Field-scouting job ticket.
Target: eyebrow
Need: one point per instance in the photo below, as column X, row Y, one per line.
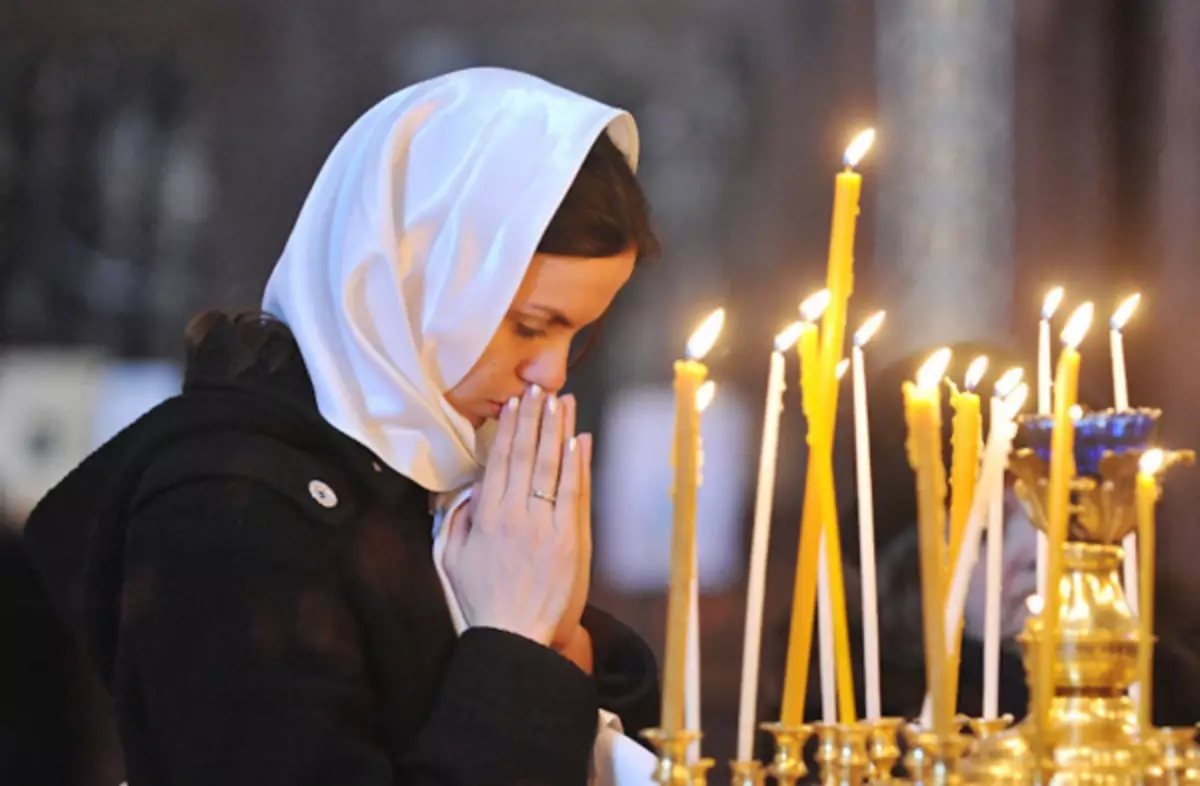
column 555, row 316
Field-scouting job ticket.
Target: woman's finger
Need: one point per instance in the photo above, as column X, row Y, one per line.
column 566, row 512
column 495, row 479
column 569, row 408
column 524, row 447
column 584, row 543
column 546, row 467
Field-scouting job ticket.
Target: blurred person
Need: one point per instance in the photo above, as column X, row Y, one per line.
column 356, row 548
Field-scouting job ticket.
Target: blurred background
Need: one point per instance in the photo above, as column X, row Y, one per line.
column 153, row 156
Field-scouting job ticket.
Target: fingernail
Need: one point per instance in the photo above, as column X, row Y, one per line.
column 571, row 444
column 534, row 391
column 551, row 404
column 512, row 403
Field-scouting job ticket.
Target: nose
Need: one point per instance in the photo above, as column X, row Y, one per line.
column 548, row 368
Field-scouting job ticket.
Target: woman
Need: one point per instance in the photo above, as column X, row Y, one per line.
column 252, row 563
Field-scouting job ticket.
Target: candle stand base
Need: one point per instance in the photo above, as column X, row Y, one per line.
column 933, row 760
column 747, row 773
column 673, row 768
column 788, row 766
column 850, row 766
column 882, row 749
column 828, row 750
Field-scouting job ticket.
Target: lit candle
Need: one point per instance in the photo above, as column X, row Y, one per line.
column 690, row 375
column 866, row 516
column 1062, row 471
column 966, row 430
column 1003, row 410
column 922, row 412
column 760, row 537
column 691, row 698
column 991, row 481
column 1116, row 345
column 1049, row 307
column 829, row 579
column 799, row 650
column 818, row 497
column 1149, row 466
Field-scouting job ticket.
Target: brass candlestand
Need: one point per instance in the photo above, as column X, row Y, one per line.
column 827, row 752
column 673, row 768
column 788, row 766
column 882, row 749
column 850, row 766
column 1091, row 736
column 747, row 773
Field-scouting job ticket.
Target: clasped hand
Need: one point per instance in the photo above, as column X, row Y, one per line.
column 523, row 562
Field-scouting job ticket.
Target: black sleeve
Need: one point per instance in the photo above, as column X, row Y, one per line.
column 625, row 672
column 249, row 664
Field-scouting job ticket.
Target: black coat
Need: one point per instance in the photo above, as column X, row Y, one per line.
column 254, row 630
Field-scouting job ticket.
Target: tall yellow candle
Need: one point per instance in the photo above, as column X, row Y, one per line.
column 840, row 277
column 922, row 412
column 967, row 426
column 804, row 596
column 1147, row 497
column 1062, row 471
column 690, row 375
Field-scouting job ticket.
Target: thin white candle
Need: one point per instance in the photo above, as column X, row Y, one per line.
column 759, row 540
column 825, row 629
column 995, row 458
column 866, row 518
column 1045, row 405
column 995, row 575
column 1129, row 544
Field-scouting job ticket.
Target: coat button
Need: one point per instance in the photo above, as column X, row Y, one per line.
column 322, row 493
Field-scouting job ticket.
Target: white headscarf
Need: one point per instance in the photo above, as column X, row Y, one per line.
column 411, row 246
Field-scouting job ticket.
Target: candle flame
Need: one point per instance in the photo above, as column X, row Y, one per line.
column 1125, row 311
column 1076, row 412
column 1035, row 604
column 814, row 306
column 703, row 337
column 930, row 373
column 1008, row 382
column 975, row 372
column 858, row 148
column 786, row 338
column 868, row 329
column 1015, row 400
column 705, row 395
column 1152, row 461
column 842, row 365
column 1053, row 300
column 1077, row 325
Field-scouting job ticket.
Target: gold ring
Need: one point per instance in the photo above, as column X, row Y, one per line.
column 545, row 496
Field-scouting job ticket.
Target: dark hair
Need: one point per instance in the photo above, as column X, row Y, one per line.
column 604, row 212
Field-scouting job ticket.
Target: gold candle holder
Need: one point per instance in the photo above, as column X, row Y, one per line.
column 788, row 765
column 747, row 773
column 698, row 771
column 882, row 749
column 850, row 766
column 827, row 752
column 933, row 760
column 673, row 768
column 982, row 728
column 1174, row 757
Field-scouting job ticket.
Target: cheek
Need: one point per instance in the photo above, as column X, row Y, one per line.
column 495, row 369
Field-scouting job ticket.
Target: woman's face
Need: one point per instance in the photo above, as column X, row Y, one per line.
column 1019, row 579
column 558, row 297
